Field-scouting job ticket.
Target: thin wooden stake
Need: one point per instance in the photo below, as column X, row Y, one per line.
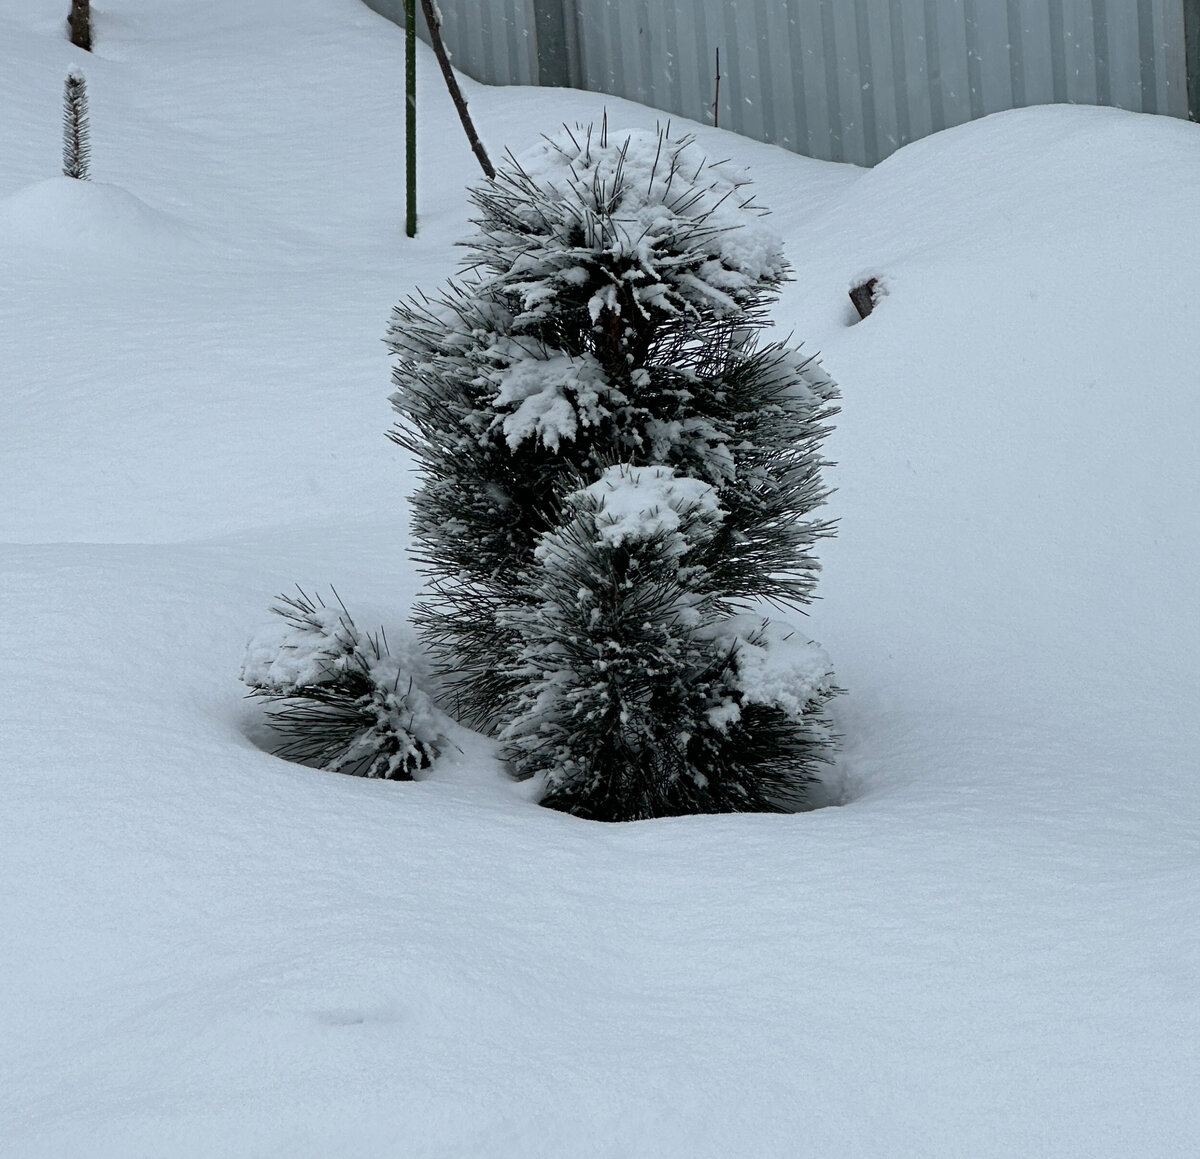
column 717, row 95
column 1191, row 38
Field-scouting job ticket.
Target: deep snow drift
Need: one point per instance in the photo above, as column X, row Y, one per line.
column 988, row 949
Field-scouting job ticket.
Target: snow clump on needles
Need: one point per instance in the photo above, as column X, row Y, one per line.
column 343, row 701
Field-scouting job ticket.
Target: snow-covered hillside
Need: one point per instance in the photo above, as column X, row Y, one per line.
column 988, row 948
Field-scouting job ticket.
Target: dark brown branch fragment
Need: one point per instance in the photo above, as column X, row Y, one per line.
column 80, row 23
column 865, row 296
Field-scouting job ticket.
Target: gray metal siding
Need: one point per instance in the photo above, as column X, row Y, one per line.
column 844, row 80
column 491, row 40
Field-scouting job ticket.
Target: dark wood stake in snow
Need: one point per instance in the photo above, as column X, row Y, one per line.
column 863, row 297
column 80, row 23
column 717, row 95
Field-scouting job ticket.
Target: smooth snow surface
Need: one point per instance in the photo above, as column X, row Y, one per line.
column 989, row 950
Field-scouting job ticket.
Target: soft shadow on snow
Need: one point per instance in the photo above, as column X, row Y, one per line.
column 471, row 770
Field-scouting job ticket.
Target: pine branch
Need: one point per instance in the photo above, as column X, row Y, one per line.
column 341, row 700
column 76, row 142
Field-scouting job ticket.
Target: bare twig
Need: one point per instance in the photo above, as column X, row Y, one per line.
column 434, row 22
column 717, row 95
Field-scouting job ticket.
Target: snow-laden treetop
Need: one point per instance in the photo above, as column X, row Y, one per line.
column 677, row 231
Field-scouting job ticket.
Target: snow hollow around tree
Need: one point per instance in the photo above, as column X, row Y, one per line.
column 988, row 950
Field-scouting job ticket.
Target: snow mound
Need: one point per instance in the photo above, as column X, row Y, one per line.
column 1033, row 185
column 87, row 216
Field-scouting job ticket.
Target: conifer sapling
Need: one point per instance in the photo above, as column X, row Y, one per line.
column 76, row 134
column 600, row 368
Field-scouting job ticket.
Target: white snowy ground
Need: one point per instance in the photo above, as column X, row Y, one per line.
column 990, row 949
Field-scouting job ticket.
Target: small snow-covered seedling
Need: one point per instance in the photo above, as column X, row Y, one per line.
column 608, row 326
column 77, row 147
column 345, row 703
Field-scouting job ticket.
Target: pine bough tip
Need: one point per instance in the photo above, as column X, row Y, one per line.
column 340, row 699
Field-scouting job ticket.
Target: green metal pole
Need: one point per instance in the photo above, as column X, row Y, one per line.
column 410, row 116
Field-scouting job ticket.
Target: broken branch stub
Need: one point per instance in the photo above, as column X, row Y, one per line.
column 864, row 296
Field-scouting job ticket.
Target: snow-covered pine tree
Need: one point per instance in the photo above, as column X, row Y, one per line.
column 610, row 321
column 77, row 147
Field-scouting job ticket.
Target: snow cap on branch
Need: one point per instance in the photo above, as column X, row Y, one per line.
column 635, row 504
column 775, row 665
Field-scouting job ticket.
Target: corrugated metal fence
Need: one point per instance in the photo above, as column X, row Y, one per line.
column 843, row 80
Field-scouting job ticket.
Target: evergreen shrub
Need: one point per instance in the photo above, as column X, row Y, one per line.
column 617, row 472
